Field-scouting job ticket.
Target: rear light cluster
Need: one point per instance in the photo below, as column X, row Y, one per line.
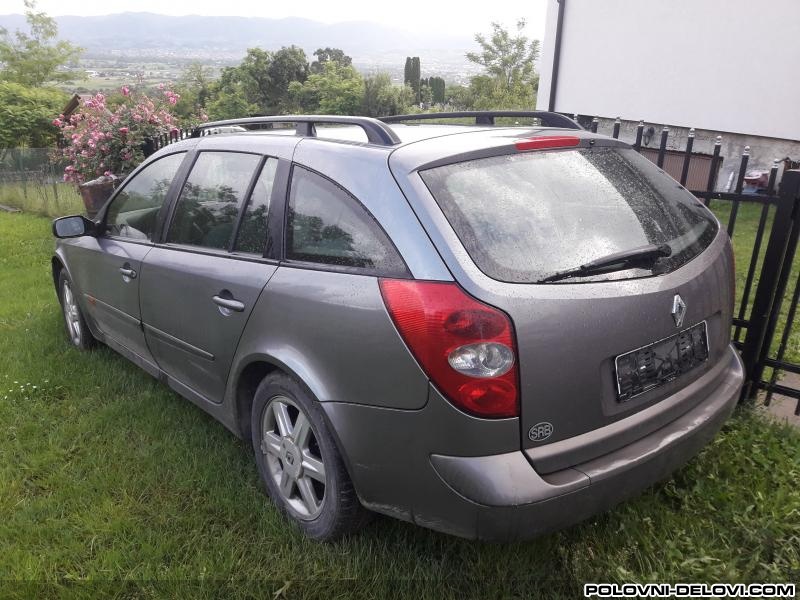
column 466, row 347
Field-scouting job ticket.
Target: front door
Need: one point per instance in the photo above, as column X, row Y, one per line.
column 108, row 268
column 199, row 287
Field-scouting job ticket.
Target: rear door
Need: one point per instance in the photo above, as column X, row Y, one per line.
column 200, row 285
column 107, row 268
column 504, row 223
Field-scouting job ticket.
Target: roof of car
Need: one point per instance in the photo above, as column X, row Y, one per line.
column 248, row 133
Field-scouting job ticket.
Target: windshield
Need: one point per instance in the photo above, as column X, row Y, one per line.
column 523, row 217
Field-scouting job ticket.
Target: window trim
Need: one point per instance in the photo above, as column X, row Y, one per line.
column 157, row 232
column 318, row 266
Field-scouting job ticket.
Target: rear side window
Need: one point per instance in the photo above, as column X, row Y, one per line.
column 326, row 225
column 210, row 201
column 523, row 217
column 134, row 211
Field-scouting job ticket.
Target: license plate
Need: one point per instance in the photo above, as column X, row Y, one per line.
column 649, row 367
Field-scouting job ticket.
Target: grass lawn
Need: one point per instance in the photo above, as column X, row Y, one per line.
column 51, row 199
column 107, row 475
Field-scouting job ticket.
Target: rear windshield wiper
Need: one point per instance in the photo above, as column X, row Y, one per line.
column 643, row 256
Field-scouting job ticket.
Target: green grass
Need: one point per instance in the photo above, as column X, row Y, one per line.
column 107, row 475
column 46, row 199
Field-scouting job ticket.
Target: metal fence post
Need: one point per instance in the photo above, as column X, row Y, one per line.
column 637, row 145
column 662, row 149
column 712, row 172
column 772, row 283
column 687, row 157
column 617, row 124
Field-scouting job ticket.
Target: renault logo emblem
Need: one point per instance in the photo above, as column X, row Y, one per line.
column 678, row 310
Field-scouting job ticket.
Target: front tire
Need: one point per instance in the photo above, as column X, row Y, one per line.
column 299, row 462
column 77, row 331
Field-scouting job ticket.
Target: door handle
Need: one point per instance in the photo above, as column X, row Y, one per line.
column 126, row 272
column 228, row 303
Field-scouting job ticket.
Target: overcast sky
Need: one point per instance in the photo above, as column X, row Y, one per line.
column 466, row 17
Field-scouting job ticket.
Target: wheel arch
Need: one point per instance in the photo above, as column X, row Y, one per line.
column 57, row 265
column 249, row 375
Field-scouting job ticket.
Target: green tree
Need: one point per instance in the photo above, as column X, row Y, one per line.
column 381, row 98
column 34, row 58
column 337, row 90
column 329, row 54
column 288, row 65
column 437, row 86
column 230, row 103
column 407, row 71
column 415, row 82
column 26, row 115
column 195, row 89
column 425, row 94
column 264, row 77
column 252, row 74
column 509, row 59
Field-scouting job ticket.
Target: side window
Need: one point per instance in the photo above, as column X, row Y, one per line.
column 134, row 211
column 252, row 236
column 326, row 225
column 209, row 204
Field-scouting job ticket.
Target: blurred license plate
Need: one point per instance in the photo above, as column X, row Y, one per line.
column 649, row 367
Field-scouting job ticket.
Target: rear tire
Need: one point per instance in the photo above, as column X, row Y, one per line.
column 299, row 462
column 77, row 331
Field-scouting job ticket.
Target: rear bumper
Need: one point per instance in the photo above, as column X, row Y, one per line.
column 440, row 468
column 512, row 501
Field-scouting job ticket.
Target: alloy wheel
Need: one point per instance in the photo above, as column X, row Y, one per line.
column 294, row 458
column 71, row 314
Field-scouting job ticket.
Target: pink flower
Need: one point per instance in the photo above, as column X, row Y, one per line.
column 126, row 91
column 57, row 122
column 124, row 130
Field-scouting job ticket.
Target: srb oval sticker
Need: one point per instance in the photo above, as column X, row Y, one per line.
column 540, row 432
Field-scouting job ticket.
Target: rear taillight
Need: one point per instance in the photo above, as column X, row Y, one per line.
column 466, row 347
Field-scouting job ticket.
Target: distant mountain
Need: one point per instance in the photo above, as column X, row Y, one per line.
column 125, row 32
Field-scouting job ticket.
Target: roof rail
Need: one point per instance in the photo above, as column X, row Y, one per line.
column 487, row 117
column 377, row 132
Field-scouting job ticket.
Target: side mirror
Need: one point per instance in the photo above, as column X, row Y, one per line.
column 74, row 226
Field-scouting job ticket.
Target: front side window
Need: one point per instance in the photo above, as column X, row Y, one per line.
column 209, row 204
column 134, row 211
column 328, row 226
column 524, row 217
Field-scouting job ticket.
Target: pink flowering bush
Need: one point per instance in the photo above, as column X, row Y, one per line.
column 108, row 140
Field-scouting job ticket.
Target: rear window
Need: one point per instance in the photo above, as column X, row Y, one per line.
column 523, row 217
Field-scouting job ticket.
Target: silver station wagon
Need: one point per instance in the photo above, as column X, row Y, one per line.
column 489, row 331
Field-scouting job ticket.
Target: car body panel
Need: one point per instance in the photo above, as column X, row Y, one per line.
column 332, row 331
column 110, row 299
column 192, row 338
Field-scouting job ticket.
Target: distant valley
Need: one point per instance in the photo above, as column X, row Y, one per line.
column 142, row 39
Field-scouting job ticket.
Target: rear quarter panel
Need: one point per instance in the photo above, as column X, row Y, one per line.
column 332, row 331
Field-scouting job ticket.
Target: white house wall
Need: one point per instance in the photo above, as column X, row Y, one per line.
column 719, row 65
